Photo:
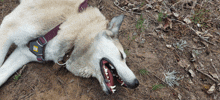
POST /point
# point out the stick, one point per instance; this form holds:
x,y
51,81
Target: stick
x,y
214,67
117,4
207,75
195,32
21,71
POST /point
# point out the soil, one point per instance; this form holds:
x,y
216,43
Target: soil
x,y
157,41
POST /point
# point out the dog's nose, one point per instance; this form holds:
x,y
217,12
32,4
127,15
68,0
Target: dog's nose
x,y
135,84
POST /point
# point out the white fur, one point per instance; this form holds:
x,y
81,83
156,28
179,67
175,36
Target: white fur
x,y
17,59
86,31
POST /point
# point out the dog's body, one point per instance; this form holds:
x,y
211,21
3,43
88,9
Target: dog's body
x,y
95,46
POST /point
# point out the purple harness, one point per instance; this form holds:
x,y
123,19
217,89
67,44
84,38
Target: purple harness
x,y
37,46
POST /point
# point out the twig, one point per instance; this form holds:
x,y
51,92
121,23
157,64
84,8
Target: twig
x,y
207,75
22,69
117,4
100,1
196,48
216,51
28,95
214,67
109,8
196,32
60,80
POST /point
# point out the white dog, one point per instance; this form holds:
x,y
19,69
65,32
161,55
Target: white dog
x,y
97,51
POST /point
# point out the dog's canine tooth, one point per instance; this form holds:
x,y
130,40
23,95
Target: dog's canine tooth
x,y
112,87
122,83
111,66
113,90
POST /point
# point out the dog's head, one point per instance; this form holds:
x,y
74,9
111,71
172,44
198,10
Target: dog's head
x,y
105,59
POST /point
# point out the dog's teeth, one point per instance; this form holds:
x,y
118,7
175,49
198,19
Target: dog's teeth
x,y
106,74
113,90
111,66
112,87
122,83
106,70
107,77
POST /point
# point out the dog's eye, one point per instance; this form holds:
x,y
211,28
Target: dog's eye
x,y
122,57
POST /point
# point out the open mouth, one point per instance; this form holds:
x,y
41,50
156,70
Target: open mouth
x,y
110,75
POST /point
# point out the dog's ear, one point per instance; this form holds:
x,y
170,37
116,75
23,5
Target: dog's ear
x,y
115,24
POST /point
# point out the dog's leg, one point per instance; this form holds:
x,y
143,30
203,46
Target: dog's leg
x,y
5,43
16,60
5,40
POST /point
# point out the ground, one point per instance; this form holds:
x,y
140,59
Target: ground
x,y
159,37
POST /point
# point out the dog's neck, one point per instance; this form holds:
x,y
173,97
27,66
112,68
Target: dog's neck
x,y
86,26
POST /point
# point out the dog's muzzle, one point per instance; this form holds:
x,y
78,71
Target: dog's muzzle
x,y
111,76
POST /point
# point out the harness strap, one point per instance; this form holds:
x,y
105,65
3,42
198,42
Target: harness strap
x,y
37,47
50,35
83,5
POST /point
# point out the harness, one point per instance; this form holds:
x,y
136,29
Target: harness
x,y
37,46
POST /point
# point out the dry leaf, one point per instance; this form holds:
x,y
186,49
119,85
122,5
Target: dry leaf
x,y
199,33
176,15
160,26
180,97
184,64
192,73
212,89
206,87
208,35
168,23
187,20
214,75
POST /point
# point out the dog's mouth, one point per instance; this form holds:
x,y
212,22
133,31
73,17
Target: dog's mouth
x,y
110,75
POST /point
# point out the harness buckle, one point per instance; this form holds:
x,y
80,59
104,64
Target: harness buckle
x,y
42,40
37,49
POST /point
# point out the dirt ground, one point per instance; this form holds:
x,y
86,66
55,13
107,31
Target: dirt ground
x,y
159,37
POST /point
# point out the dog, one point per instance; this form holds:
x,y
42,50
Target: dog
x,y
97,51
